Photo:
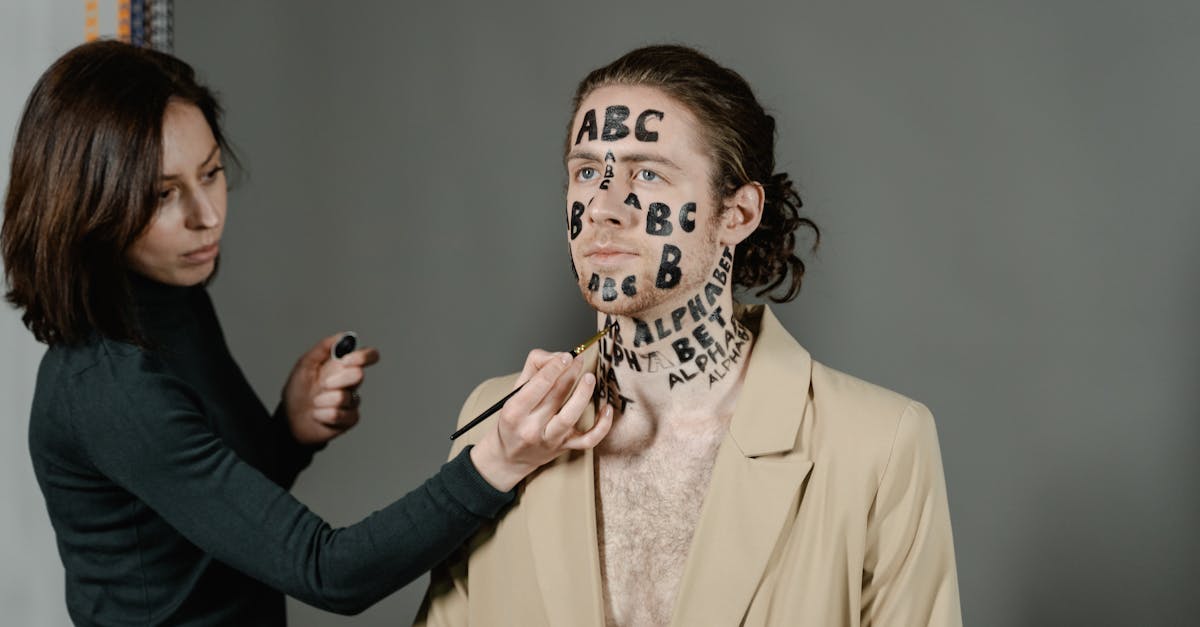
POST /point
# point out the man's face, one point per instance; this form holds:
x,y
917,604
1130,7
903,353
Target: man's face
x,y
640,207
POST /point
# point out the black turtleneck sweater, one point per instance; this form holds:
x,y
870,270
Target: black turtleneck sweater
x,y
167,483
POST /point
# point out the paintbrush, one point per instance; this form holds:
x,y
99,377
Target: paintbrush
x,y
575,352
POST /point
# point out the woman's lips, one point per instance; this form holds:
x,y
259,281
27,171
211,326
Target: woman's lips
x,y
203,255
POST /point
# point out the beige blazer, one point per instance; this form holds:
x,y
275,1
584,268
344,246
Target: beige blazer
x,y
827,507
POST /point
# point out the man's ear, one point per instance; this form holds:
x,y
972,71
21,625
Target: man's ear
x,y
743,212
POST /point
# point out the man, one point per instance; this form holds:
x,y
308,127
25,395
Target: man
x,y
742,483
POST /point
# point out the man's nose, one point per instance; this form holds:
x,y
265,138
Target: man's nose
x,y
608,206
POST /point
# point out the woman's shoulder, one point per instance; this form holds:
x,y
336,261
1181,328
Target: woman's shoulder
x,y
96,369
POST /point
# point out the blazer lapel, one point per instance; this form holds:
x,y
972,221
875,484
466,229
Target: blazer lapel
x,y
560,509
756,484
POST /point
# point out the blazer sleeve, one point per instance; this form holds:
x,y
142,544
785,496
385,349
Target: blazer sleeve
x,y
445,602
909,576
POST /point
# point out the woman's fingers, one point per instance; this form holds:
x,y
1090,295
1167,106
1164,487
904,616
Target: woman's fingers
x,y
561,389
533,362
563,423
336,418
343,377
592,437
349,371
530,397
362,358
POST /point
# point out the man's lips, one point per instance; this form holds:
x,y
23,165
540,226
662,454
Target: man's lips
x,y
608,257
607,251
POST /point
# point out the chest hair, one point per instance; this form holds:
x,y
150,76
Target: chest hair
x,y
648,504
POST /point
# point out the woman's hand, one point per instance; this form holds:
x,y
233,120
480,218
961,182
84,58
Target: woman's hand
x,y
538,423
320,397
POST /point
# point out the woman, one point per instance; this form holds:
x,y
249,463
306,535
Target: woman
x,y
165,477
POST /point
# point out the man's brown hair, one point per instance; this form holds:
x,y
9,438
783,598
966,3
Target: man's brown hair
x,y
84,183
741,138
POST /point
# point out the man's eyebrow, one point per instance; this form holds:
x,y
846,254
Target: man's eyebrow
x,y
583,154
212,153
636,157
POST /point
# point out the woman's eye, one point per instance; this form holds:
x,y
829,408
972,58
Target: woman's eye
x,y
647,175
212,174
587,174
165,195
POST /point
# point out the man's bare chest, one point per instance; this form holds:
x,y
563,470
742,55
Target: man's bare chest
x,y
647,511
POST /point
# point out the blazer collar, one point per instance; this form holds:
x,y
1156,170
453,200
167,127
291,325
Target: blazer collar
x,y
775,390
757,481
559,500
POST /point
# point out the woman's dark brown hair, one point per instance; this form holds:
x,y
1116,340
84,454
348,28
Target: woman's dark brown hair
x,y
84,183
741,137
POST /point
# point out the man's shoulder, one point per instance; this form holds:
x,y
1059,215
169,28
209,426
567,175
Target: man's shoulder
x,y
833,385
483,396
860,406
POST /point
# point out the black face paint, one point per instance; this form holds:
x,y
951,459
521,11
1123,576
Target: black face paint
x,y
577,209
696,308
658,326
639,130
683,349
686,221
709,351
606,386
677,317
608,170
716,317
656,361
588,126
632,201
616,329
641,333
658,219
721,274
614,127
594,283
628,286
668,268
609,293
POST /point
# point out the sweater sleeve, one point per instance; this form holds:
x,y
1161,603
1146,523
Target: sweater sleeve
x,y
151,438
290,457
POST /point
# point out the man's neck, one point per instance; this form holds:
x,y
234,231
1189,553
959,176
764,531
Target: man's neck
x,y
677,369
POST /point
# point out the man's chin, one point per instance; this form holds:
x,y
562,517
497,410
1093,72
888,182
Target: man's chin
x,y
622,306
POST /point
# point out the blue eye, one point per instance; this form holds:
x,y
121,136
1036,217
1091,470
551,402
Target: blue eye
x,y
587,174
647,175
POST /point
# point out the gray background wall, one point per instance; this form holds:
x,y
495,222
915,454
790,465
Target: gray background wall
x,y
1008,193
